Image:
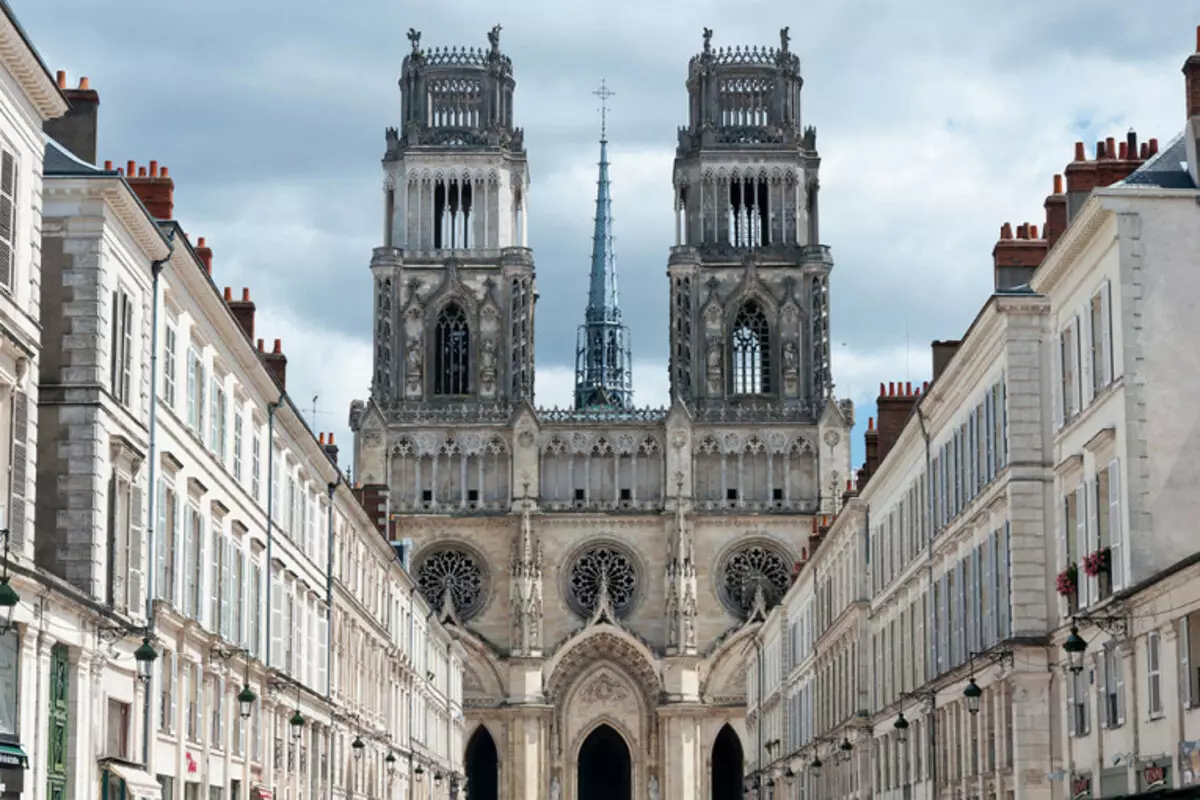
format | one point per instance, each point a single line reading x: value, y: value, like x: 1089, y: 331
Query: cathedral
x: 602, y: 566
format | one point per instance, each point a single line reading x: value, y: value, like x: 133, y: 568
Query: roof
x: 1167, y: 169
x: 61, y: 162
x: 47, y: 106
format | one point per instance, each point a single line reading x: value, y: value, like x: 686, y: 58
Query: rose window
x: 746, y: 570
x: 597, y: 565
x: 455, y: 571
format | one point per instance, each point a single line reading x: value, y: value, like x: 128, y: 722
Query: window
x: 125, y: 524
x: 452, y: 352
x: 1077, y: 703
x: 256, y: 463
x: 238, y: 628
x: 8, y: 218
x: 1101, y: 350
x: 166, y: 707
x: 197, y: 380
x: 1068, y: 361
x: 216, y: 426
x: 169, y: 344
x: 193, y: 702
x: 168, y: 537
x: 10, y: 651
x: 216, y: 702
x: 1154, y: 704
x: 193, y: 561
x: 121, y: 348
x: 239, y: 422
x: 750, y: 344
x: 1112, y: 687
x: 256, y: 589
x: 117, y: 740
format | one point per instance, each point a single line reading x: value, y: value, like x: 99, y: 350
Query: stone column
x: 681, y: 766
x: 527, y: 770
x: 34, y: 701
x: 1032, y: 732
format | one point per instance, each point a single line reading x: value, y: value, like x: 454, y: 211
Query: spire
x: 603, y: 375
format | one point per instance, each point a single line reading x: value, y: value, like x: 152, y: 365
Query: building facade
x: 203, y: 609
x: 1026, y: 578
x: 599, y: 565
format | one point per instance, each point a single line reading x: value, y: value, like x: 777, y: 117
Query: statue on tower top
x: 494, y: 38
x: 414, y: 36
x: 708, y: 40
x: 783, y: 39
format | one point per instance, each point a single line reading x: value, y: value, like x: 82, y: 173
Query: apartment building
x: 1031, y: 585
x: 203, y: 609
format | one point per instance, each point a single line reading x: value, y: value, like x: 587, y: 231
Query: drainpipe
x: 329, y: 623
x: 271, y: 409
x: 932, y: 721
x: 156, y: 269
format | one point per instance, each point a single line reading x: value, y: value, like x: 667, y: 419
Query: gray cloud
x: 937, y: 122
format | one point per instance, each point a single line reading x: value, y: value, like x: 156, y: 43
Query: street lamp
x: 145, y: 656
x: 390, y: 760
x: 8, y: 604
x: 815, y: 767
x: 419, y: 772
x: 297, y: 723
x: 1075, y: 646
x: 246, y: 698
x: 358, y: 745
x: 437, y: 779
x: 972, y: 693
x: 845, y: 747
x: 901, y: 726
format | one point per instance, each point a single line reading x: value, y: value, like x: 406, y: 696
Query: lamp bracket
x: 927, y: 699
x: 225, y: 653
x: 1115, y: 625
x: 111, y: 634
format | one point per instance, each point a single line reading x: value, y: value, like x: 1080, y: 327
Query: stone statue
x: 555, y: 788
x: 414, y: 36
x: 487, y: 360
x: 653, y: 788
x: 714, y: 358
x: 708, y: 40
x: 412, y: 359
x: 494, y: 38
x: 790, y: 357
x: 783, y: 40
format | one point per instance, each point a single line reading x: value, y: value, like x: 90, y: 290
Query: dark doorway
x: 604, y: 767
x: 727, y: 766
x: 483, y: 766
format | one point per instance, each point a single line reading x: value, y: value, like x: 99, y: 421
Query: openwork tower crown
x: 456, y: 97
x: 743, y: 95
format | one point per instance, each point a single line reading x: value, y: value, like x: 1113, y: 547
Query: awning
x: 13, y: 757
x: 138, y: 783
x: 259, y: 792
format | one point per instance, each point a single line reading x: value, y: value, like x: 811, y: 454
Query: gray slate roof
x: 1166, y: 170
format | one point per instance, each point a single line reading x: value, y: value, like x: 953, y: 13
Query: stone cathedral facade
x: 603, y: 566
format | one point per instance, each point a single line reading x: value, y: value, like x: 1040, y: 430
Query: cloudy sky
x: 937, y: 121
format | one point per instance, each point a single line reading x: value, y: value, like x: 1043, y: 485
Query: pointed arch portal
x: 727, y: 765
x: 482, y: 766
x: 605, y: 768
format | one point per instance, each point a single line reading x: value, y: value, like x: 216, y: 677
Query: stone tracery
x: 454, y: 573
x: 604, y: 565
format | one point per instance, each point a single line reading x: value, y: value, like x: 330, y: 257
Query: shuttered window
x: 8, y: 218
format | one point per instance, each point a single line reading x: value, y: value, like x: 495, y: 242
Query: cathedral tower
x: 749, y: 278
x: 603, y: 362
x: 454, y: 279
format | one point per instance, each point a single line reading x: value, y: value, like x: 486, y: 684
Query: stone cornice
x: 124, y: 204
x: 1070, y: 245
x: 23, y: 63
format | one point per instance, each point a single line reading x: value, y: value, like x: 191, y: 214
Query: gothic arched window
x: 751, y: 345
x: 452, y: 352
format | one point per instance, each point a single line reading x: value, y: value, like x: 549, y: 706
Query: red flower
x: 1068, y: 580
x: 1097, y: 562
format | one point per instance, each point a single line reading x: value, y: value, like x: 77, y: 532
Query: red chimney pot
x: 260, y: 345
x: 245, y: 294
x: 153, y: 168
x: 108, y: 166
x: 1058, y: 184
x: 1154, y: 147
x: 321, y: 438
x: 331, y: 437
x: 908, y: 388
x: 131, y: 168
x: 1033, y: 232
x: 163, y: 173
x: 84, y: 84
x: 61, y: 77
x: 141, y: 172
x: 870, y: 423
x: 228, y: 294
x: 278, y: 347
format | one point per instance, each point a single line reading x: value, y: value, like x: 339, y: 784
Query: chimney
x: 871, y: 450
x: 1081, y: 179
x: 331, y: 449
x: 1056, y: 213
x: 204, y: 253
x: 373, y: 499
x: 1015, y: 258
x: 155, y: 189
x: 276, y: 362
x: 243, y: 311
x: 76, y: 130
x: 893, y: 409
x: 943, y: 351
x: 1191, y: 76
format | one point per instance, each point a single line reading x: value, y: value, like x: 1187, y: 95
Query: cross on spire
x: 603, y: 93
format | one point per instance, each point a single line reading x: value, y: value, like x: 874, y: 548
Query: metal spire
x: 603, y: 373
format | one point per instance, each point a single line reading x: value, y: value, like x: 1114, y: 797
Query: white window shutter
x: 1115, y: 528
x: 1093, y: 536
x: 1119, y: 685
x: 1106, y: 357
x: 135, y: 597
x: 1080, y: 533
x: 1185, y: 667
x: 1077, y: 373
x: 276, y: 652
x: 1072, y: 718
x: 1102, y: 678
x: 1086, y: 386
x: 1058, y: 395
